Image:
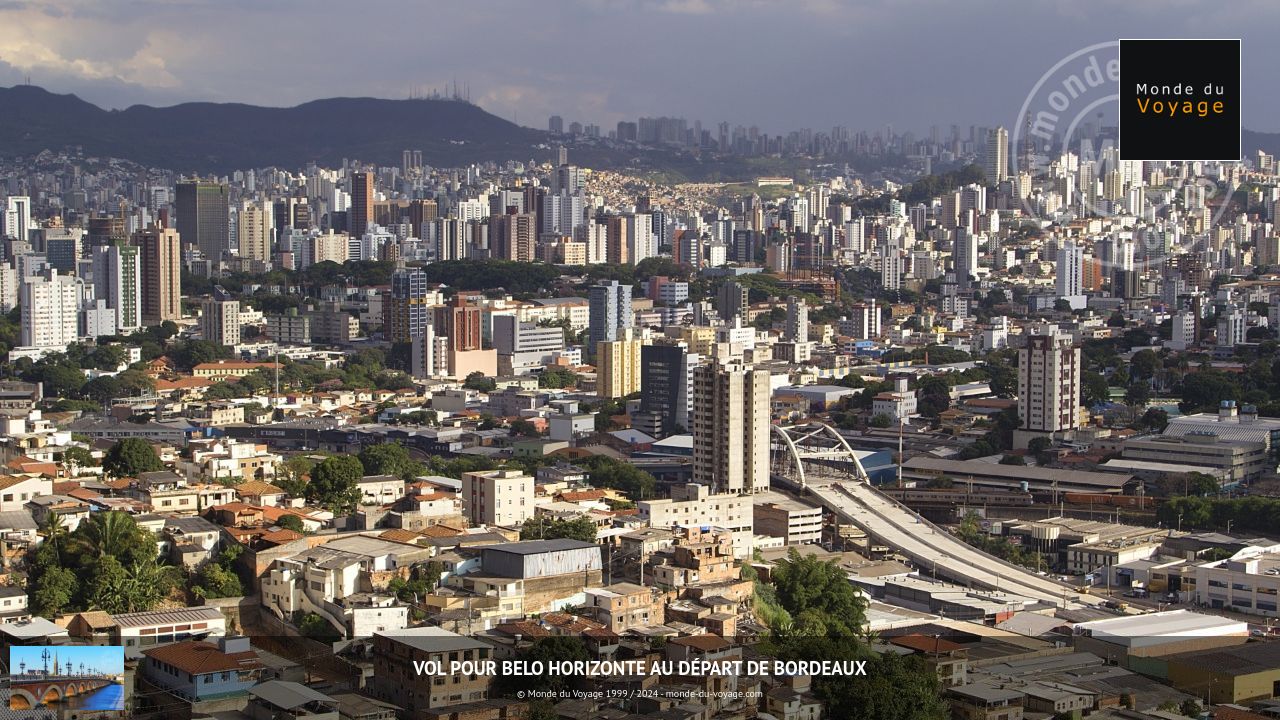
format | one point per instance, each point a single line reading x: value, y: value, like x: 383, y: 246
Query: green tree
x: 77, y: 458
x: 1010, y: 459
x: 292, y: 475
x: 101, y: 389
x: 479, y: 381
x: 52, y: 590
x: 129, y: 457
x: 334, y: 483
x: 1093, y: 389
x: 806, y: 583
x: 557, y: 377
x: 216, y: 581
x: 292, y: 522
x: 317, y: 628
x: 540, y: 528
x: 115, y: 534
x: 524, y: 428
x: 1137, y: 394
x: 386, y: 459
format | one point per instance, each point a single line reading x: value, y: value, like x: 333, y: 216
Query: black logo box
x: 1189, y: 65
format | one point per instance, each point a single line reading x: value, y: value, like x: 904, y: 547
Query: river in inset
x: 110, y: 697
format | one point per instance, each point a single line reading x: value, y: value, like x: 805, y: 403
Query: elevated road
x: 933, y: 548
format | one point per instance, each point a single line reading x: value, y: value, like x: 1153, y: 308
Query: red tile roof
x: 198, y: 658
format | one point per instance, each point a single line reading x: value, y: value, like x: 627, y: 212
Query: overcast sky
x: 778, y: 64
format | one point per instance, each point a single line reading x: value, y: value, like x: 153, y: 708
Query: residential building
x: 220, y: 318
x: 1049, y: 373
x: 731, y: 427
x: 396, y: 680
x: 161, y: 274
x: 618, y: 365
x: 694, y: 505
x: 797, y: 523
x: 497, y: 497
x: 200, y: 671
x: 898, y: 404
x: 610, y: 307
x: 50, y: 310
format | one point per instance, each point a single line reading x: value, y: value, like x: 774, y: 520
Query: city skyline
x: 116, y: 55
x: 107, y: 660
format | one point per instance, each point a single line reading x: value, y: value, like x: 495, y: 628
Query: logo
x: 1180, y: 100
x: 1069, y: 164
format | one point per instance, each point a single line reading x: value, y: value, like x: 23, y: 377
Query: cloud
x: 778, y: 64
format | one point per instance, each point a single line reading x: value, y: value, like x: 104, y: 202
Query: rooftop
x: 434, y: 639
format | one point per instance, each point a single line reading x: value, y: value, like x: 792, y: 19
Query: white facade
x: 1049, y: 383
x: 499, y: 497
x: 50, y: 310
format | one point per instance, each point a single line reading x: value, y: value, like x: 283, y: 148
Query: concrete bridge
x: 29, y: 692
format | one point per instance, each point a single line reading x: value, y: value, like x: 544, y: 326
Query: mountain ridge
x: 219, y: 137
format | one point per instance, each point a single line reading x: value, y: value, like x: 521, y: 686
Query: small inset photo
x: 81, y: 678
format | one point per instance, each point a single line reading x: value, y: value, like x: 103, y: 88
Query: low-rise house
x: 13, y: 604
x: 16, y: 490
x: 202, y: 671
x: 380, y: 489
x: 257, y: 492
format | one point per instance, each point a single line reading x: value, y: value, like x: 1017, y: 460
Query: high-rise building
x: 17, y: 217
x: 966, y: 256
x: 610, y: 308
x: 618, y: 365
x: 50, y: 310
x: 796, y: 328
x: 1049, y: 382
x: 731, y: 301
x: 161, y: 255
x: 220, y: 318
x: 407, y: 311
x: 514, y: 236
x: 254, y: 227
x: 996, y: 160
x: 863, y: 322
x: 117, y: 280
x: 361, y: 212
x: 666, y: 390
x: 204, y: 216
x: 1232, y: 327
x: 1070, y: 270
x: 555, y: 125
x: 617, y: 246
x: 460, y: 323
x: 731, y: 427
x: 497, y: 497
x: 643, y: 243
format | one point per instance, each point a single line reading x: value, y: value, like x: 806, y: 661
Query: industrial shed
x: 540, y: 558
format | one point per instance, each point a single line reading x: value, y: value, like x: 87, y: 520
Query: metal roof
x: 288, y: 695
x: 167, y: 617
x: 535, y: 547
x: 434, y: 639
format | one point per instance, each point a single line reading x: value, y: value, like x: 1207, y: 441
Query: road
x: 929, y: 546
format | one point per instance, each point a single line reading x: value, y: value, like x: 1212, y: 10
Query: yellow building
x: 618, y: 368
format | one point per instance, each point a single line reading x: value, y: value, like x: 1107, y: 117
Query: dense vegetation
x: 108, y: 563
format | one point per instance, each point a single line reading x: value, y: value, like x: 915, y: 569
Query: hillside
x: 213, y: 137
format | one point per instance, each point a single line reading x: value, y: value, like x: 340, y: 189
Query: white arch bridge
x: 816, y: 461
